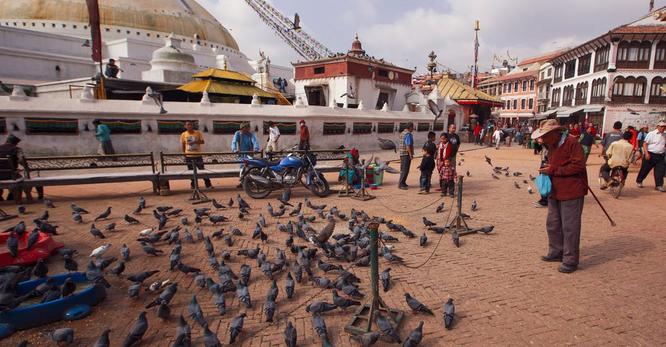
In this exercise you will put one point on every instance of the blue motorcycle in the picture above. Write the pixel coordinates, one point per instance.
(260, 177)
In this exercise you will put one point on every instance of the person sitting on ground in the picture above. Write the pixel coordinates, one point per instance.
(14, 153)
(427, 163)
(447, 180)
(619, 155)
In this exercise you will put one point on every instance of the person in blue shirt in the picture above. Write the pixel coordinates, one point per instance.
(103, 135)
(244, 140)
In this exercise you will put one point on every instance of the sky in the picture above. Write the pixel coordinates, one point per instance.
(405, 31)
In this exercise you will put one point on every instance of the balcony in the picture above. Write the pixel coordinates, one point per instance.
(627, 64)
(581, 101)
(622, 99)
(654, 99)
(597, 99)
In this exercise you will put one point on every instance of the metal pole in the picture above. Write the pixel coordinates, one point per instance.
(460, 188)
(374, 272)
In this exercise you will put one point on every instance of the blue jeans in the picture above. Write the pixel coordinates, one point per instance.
(405, 162)
(424, 180)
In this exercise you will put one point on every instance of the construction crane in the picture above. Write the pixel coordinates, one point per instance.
(290, 31)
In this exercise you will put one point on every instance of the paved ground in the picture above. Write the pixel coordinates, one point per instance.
(504, 294)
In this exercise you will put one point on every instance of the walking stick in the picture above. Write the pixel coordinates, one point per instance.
(612, 222)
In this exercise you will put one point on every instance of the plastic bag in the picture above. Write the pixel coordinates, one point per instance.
(543, 184)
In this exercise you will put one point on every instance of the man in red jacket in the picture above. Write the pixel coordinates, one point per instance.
(568, 175)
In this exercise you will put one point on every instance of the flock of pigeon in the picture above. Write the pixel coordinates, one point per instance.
(497, 172)
(308, 256)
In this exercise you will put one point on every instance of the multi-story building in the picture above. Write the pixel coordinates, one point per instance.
(519, 89)
(544, 84)
(353, 79)
(616, 76)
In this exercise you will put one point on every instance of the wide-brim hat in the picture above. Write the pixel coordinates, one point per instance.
(662, 123)
(545, 127)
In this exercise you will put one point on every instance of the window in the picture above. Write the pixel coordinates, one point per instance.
(556, 98)
(360, 128)
(286, 128)
(315, 96)
(507, 105)
(581, 93)
(385, 128)
(634, 54)
(438, 126)
(48, 126)
(381, 100)
(3, 125)
(531, 104)
(515, 104)
(382, 73)
(123, 126)
(598, 91)
(173, 127)
(558, 73)
(567, 95)
(334, 128)
(657, 95)
(629, 89)
(524, 86)
(660, 56)
(570, 69)
(584, 64)
(515, 87)
(522, 104)
(601, 58)
(226, 127)
(531, 85)
(319, 70)
(548, 72)
(421, 127)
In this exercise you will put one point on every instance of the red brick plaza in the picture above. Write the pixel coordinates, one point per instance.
(504, 294)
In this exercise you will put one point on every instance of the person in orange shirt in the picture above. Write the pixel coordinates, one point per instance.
(192, 141)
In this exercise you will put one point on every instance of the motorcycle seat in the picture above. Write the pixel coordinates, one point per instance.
(269, 162)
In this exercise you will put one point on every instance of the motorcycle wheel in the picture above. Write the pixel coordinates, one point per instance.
(319, 186)
(254, 189)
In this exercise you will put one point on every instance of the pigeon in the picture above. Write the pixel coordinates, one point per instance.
(48, 203)
(217, 205)
(119, 268)
(290, 335)
(243, 293)
(210, 339)
(110, 227)
(45, 216)
(529, 189)
(449, 313)
(104, 215)
(296, 210)
(187, 269)
(474, 205)
(78, 209)
(51, 294)
(494, 176)
(184, 334)
(320, 328)
(386, 328)
(40, 269)
(242, 204)
(455, 238)
(70, 264)
(195, 311)
(219, 302)
(137, 210)
(319, 307)
(414, 337)
(468, 174)
(163, 209)
(488, 160)
(99, 251)
(289, 286)
(125, 252)
(19, 228)
(515, 184)
(386, 279)
(142, 202)
(367, 339)
(13, 244)
(138, 330)
(68, 287)
(343, 302)
(149, 249)
(423, 240)
(236, 325)
(76, 217)
(133, 290)
(131, 220)
(165, 296)
(62, 336)
(32, 239)
(417, 306)
(96, 232)
(309, 204)
(164, 311)
(440, 208)
(269, 310)
(428, 223)
(217, 219)
(103, 340)
(142, 276)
